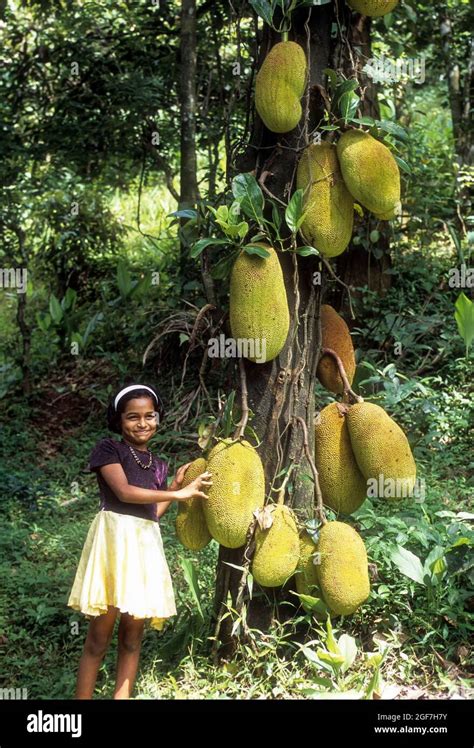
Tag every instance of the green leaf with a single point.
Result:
(264, 9)
(402, 164)
(335, 660)
(409, 564)
(55, 309)
(187, 213)
(203, 243)
(392, 128)
(247, 190)
(464, 316)
(255, 249)
(294, 211)
(348, 104)
(306, 251)
(348, 648)
(331, 643)
(190, 574)
(123, 279)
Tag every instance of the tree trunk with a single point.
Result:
(189, 192)
(460, 93)
(283, 388)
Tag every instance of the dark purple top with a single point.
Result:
(107, 452)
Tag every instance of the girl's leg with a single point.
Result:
(130, 635)
(97, 640)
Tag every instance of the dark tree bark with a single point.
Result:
(189, 191)
(283, 389)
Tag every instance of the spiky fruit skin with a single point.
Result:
(343, 572)
(277, 549)
(373, 8)
(335, 334)
(380, 446)
(343, 486)
(190, 523)
(258, 306)
(279, 86)
(307, 576)
(328, 204)
(370, 172)
(238, 489)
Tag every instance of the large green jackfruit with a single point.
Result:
(381, 448)
(335, 335)
(343, 486)
(258, 307)
(374, 8)
(370, 172)
(279, 86)
(328, 204)
(277, 549)
(190, 523)
(343, 572)
(238, 489)
(307, 576)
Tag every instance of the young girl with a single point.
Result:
(123, 568)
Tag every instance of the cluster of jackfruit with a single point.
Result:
(258, 306)
(374, 8)
(237, 491)
(279, 86)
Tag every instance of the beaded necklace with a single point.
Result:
(137, 459)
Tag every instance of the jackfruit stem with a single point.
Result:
(284, 36)
(348, 392)
(317, 488)
(239, 432)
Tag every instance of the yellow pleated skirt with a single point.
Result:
(123, 564)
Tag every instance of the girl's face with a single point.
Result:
(138, 421)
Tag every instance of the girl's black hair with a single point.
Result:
(114, 416)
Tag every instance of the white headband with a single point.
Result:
(130, 388)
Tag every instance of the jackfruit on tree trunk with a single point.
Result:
(190, 523)
(238, 489)
(343, 486)
(370, 172)
(258, 306)
(328, 204)
(343, 572)
(279, 86)
(374, 8)
(277, 549)
(335, 335)
(381, 448)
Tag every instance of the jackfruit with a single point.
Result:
(343, 486)
(307, 576)
(374, 8)
(190, 523)
(279, 86)
(335, 334)
(327, 201)
(258, 307)
(370, 172)
(343, 571)
(238, 489)
(381, 448)
(277, 549)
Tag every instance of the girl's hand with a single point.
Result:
(195, 488)
(179, 477)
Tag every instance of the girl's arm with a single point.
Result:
(116, 479)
